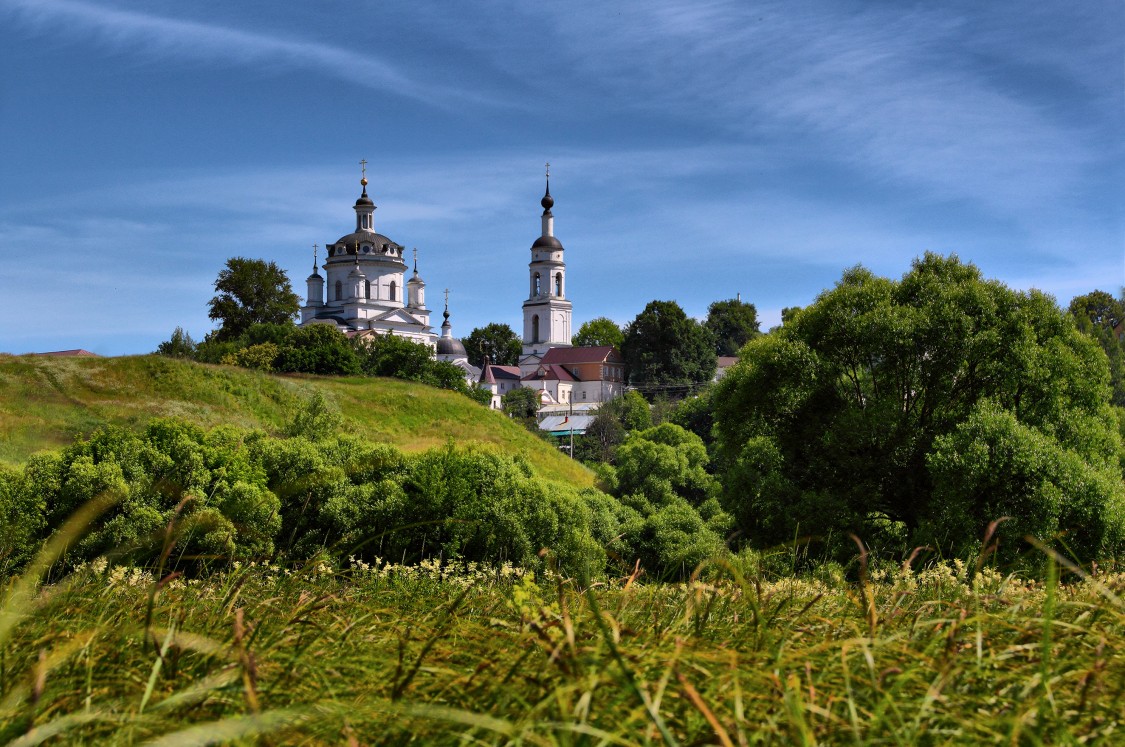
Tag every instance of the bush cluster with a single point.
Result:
(205, 498)
(323, 350)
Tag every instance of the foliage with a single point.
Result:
(612, 421)
(498, 342)
(666, 350)
(599, 331)
(316, 419)
(318, 349)
(180, 345)
(521, 403)
(1099, 316)
(696, 414)
(851, 417)
(261, 357)
(732, 324)
(251, 291)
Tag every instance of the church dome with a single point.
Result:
(450, 346)
(376, 240)
(547, 242)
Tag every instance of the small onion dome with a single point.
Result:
(363, 198)
(547, 202)
(356, 272)
(416, 279)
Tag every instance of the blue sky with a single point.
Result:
(699, 150)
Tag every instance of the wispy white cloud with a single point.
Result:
(164, 37)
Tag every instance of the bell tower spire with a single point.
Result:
(546, 312)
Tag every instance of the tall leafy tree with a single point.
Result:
(497, 341)
(1100, 316)
(918, 411)
(599, 331)
(248, 292)
(666, 350)
(733, 323)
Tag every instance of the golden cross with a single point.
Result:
(363, 166)
(548, 166)
(447, 298)
(315, 247)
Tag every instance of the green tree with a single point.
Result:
(497, 341)
(521, 403)
(1099, 316)
(599, 331)
(251, 291)
(179, 346)
(666, 350)
(732, 323)
(853, 416)
(318, 349)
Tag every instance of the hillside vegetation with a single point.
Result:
(45, 403)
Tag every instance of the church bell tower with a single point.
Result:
(546, 312)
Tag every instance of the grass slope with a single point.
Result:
(45, 403)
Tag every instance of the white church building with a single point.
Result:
(365, 291)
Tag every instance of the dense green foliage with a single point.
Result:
(249, 292)
(1099, 315)
(599, 331)
(732, 324)
(179, 345)
(667, 351)
(916, 412)
(210, 497)
(496, 342)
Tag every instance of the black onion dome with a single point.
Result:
(547, 202)
(547, 242)
(450, 346)
(363, 198)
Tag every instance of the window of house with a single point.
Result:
(558, 283)
(392, 290)
(339, 290)
(367, 289)
(536, 285)
(535, 326)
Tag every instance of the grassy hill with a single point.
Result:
(45, 403)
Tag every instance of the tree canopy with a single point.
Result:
(918, 411)
(733, 323)
(666, 350)
(1099, 316)
(497, 341)
(248, 292)
(599, 331)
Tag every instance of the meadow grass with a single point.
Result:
(455, 654)
(46, 403)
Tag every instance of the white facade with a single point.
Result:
(546, 312)
(364, 286)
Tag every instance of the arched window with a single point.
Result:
(392, 290)
(339, 290)
(367, 289)
(535, 327)
(536, 287)
(558, 283)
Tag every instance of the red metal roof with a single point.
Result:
(77, 353)
(571, 356)
(547, 372)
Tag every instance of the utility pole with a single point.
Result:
(570, 419)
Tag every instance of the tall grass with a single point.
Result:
(449, 654)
